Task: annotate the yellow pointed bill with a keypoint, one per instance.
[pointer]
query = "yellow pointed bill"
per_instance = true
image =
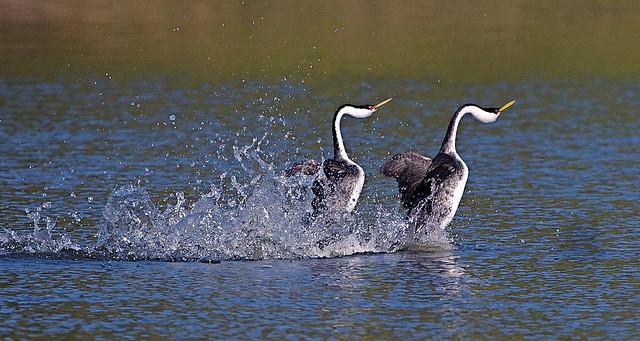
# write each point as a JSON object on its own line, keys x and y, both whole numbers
{"x": 382, "y": 103}
{"x": 504, "y": 107}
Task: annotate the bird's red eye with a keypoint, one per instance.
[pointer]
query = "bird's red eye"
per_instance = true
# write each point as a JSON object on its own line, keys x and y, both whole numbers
{"x": 371, "y": 107}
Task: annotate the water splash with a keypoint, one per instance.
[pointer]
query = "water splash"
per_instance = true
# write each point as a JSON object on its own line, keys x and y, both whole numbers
{"x": 428, "y": 231}
{"x": 44, "y": 239}
{"x": 263, "y": 215}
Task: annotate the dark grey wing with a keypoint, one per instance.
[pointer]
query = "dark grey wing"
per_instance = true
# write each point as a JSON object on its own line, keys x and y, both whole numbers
{"x": 307, "y": 167}
{"x": 409, "y": 169}
{"x": 441, "y": 168}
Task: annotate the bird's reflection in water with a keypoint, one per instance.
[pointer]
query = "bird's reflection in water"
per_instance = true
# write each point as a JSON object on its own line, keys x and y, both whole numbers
{"x": 405, "y": 284}
{"x": 354, "y": 271}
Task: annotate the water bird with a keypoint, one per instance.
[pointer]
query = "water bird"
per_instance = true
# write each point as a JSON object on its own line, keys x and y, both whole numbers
{"x": 337, "y": 188}
{"x": 431, "y": 189}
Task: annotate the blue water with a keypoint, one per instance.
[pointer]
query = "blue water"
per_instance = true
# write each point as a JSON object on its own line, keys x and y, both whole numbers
{"x": 97, "y": 173}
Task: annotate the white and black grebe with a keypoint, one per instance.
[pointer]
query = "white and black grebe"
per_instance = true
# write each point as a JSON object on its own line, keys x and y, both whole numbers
{"x": 429, "y": 189}
{"x": 338, "y": 186}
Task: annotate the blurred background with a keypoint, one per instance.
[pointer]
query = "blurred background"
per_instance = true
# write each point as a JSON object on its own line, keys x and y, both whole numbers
{"x": 315, "y": 41}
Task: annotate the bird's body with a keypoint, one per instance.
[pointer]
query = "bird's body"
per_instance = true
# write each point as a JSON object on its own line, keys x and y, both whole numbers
{"x": 432, "y": 198}
{"x": 339, "y": 181}
{"x": 339, "y": 186}
{"x": 431, "y": 189}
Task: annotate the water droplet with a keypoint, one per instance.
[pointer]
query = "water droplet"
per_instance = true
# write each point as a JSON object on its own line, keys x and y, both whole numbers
{"x": 172, "y": 118}
{"x": 76, "y": 217}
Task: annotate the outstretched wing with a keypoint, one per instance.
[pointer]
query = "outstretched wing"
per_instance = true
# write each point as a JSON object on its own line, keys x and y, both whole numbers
{"x": 409, "y": 169}
{"x": 441, "y": 168}
{"x": 307, "y": 167}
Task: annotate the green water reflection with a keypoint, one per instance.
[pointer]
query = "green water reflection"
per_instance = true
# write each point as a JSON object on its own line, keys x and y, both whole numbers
{"x": 321, "y": 40}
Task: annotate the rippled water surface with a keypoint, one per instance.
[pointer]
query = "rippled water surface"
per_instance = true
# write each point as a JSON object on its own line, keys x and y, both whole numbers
{"x": 545, "y": 241}
{"x": 155, "y": 204}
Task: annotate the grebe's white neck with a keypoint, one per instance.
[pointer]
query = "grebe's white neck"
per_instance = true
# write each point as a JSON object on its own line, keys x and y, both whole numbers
{"x": 488, "y": 115}
{"x": 339, "y": 151}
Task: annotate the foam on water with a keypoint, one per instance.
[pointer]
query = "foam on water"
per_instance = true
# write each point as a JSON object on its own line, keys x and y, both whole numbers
{"x": 265, "y": 216}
